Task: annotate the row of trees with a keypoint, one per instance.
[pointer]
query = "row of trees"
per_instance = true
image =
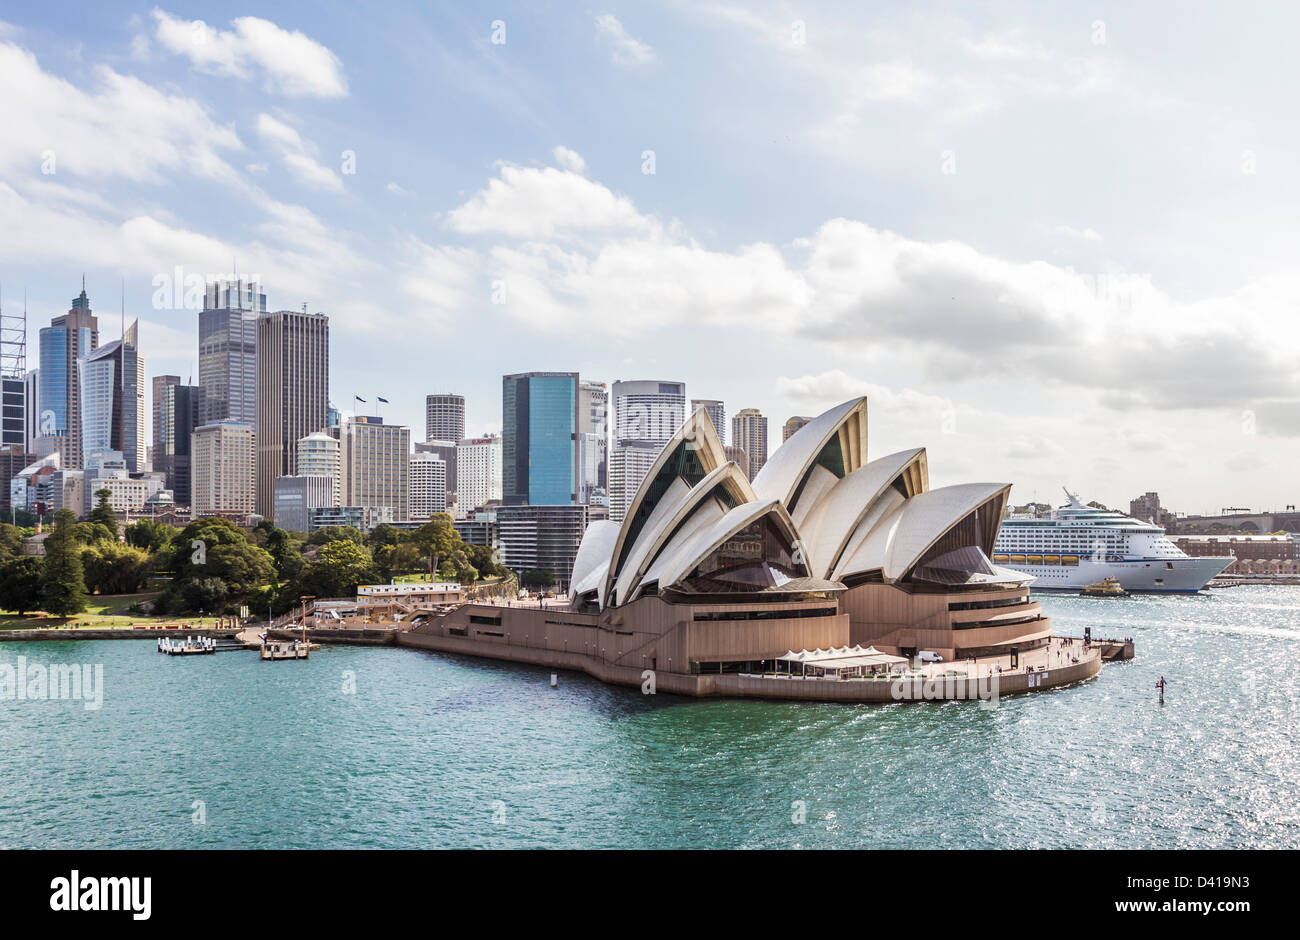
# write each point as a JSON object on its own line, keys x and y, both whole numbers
{"x": 213, "y": 566}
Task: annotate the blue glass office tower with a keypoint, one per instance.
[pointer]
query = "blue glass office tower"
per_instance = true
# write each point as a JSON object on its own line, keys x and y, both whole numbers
{"x": 67, "y": 339}
{"x": 539, "y": 439}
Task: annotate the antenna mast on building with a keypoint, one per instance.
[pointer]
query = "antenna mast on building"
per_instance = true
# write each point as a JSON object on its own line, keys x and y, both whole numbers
{"x": 13, "y": 342}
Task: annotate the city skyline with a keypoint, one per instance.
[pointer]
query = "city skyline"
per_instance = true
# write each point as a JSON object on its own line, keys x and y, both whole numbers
{"x": 841, "y": 250}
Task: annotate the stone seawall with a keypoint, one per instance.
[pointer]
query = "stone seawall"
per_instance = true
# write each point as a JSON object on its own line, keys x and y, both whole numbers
{"x": 85, "y": 633}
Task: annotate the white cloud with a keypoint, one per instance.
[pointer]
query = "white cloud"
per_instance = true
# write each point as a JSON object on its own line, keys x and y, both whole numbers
{"x": 292, "y": 63}
{"x": 298, "y": 154}
{"x": 576, "y": 256}
{"x": 397, "y": 190}
{"x": 123, "y": 128}
{"x": 527, "y": 202}
{"x": 569, "y": 160}
{"x": 624, "y": 49}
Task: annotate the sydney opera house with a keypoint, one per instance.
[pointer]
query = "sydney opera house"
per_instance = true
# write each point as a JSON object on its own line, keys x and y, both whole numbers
{"x": 829, "y": 566}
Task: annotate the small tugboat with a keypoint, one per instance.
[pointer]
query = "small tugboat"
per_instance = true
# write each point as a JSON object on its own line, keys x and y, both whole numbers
{"x": 190, "y": 646}
{"x": 1106, "y": 587}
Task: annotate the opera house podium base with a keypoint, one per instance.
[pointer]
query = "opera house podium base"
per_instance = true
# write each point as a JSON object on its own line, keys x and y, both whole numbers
{"x": 653, "y": 650}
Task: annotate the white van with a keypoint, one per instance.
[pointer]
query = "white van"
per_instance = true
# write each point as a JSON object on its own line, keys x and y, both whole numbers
{"x": 929, "y": 656}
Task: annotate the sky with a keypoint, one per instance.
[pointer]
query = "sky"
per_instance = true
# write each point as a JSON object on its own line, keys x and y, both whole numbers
{"x": 1055, "y": 244}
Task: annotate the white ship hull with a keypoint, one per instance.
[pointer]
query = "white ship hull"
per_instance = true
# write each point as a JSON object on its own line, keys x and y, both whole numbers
{"x": 1185, "y": 575}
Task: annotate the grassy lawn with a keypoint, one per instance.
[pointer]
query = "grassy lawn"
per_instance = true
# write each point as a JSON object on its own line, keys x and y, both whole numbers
{"x": 102, "y": 612}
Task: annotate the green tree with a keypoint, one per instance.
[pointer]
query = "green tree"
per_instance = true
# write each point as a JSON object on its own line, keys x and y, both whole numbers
{"x": 149, "y": 535}
{"x": 484, "y": 559}
{"x": 205, "y": 595}
{"x": 285, "y": 554}
{"x": 392, "y": 560}
{"x": 337, "y": 570}
{"x": 334, "y": 533}
{"x": 11, "y": 541}
{"x": 383, "y": 534}
{"x": 436, "y": 538}
{"x": 63, "y": 585}
{"x": 91, "y": 533}
{"x": 114, "y": 568}
{"x": 103, "y": 512}
{"x": 243, "y": 567}
{"x": 20, "y": 583}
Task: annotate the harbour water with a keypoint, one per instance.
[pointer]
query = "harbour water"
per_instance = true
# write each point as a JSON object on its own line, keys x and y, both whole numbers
{"x": 389, "y": 748}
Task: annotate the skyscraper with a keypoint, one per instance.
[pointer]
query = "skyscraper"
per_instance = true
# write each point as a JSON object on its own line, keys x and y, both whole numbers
{"x": 593, "y": 443}
{"x": 539, "y": 446}
{"x": 228, "y": 350}
{"x": 427, "y": 489}
{"x": 629, "y": 462}
{"x": 478, "y": 472}
{"x": 375, "y": 459}
{"x": 158, "y": 403}
{"x": 717, "y": 412}
{"x": 320, "y": 454}
{"x": 63, "y": 342}
{"x": 221, "y": 471}
{"x": 648, "y": 411}
{"x": 646, "y": 415}
{"x": 444, "y": 417}
{"x": 13, "y": 381}
{"x": 749, "y": 431}
{"x": 792, "y": 425}
{"x": 112, "y": 401}
{"x": 292, "y": 393}
{"x": 176, "y": 411}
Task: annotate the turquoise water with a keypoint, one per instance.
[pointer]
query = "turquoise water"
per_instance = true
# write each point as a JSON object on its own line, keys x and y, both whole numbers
{"x": 281, "y": 756}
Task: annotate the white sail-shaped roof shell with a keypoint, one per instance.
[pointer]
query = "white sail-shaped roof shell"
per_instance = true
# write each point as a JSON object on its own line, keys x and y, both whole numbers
{"x": 878, "y": 518}
{"x": 692, "y": 549}
{"x": 793, "y": 475}
{"x": 669, "y": 518}
{"x": 833, "y": 519}
{"x": 897, "y": 542}
{"x": 591, "y": 566}
{"x": 698, "y": 436}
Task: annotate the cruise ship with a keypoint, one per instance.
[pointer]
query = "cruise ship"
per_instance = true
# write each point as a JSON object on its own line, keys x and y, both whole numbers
{"x": 1078, "y": 545}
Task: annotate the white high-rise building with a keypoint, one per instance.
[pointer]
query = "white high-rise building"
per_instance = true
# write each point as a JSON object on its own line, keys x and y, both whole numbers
{"x": 648, "y": 411}
{"x": 222, "y": 468}
{"x": 646, "y": 415}
{"x": 319, "y": 454}
{"x": 593, "y": 443}
{"x": 478, "y": 473}
{"x": 427, "y": 491}
{"x": 628, "y": 465}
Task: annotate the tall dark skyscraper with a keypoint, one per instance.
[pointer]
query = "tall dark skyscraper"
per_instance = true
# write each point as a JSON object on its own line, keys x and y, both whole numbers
{"x": 228, "y": 350}
{"x": 539, "y": 439}
{"x": 68, "y": 338}
{"x": 176, "y": 415}
{"x": 13, "y": 380}
{"x": 293, "y": 378}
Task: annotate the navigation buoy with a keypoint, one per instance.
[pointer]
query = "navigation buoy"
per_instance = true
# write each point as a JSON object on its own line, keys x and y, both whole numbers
{"x": 555, "y": 681}
{"x": 1161, "y": 686}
